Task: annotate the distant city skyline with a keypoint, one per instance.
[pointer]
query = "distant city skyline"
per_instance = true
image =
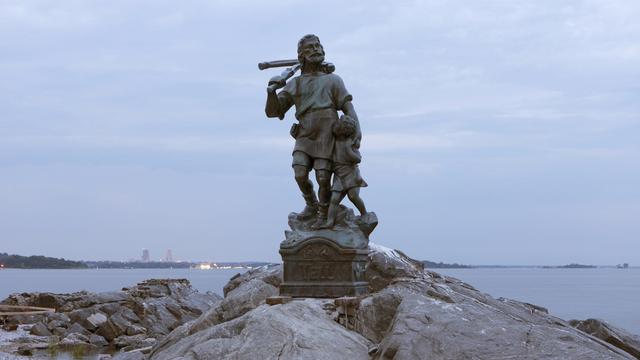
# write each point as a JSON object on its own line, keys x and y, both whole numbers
{"x": 493, "y": 132}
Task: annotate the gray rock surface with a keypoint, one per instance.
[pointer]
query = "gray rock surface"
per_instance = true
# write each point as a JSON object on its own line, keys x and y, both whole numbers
{"x": 243, "y": 293}
{"x": 296, "y": 330}
{"x": 412, "y": 313}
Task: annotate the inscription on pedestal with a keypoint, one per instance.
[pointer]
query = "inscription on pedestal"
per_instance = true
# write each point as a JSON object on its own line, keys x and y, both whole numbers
{"x": 318, "y": 267}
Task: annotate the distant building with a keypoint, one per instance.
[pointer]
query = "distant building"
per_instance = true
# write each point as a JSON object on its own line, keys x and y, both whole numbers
{"x": 145, "y": 255}
{"x": 168, "y": 257}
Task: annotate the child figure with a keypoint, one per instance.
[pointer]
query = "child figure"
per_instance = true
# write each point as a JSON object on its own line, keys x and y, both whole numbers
{"x": 346, "y": 179}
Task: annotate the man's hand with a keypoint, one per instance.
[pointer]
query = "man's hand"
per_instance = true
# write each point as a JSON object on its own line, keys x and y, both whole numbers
{"x": 276, "y": 82}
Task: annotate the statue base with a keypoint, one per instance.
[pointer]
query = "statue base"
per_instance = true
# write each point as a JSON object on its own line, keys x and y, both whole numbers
{"x": 318, "y": 267}
{"x": 327, "y": 263}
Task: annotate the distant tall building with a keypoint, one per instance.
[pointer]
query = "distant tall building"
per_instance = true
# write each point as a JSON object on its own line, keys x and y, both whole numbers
{"x": 168, "y": 257}
{"x": 145, "y": 255}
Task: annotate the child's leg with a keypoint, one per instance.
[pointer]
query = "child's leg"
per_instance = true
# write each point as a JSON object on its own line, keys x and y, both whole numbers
{"x": 336, "y": 198}
{"x": 354, "y": 196}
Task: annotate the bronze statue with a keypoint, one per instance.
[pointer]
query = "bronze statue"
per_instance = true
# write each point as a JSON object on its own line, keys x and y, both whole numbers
{"x": 325, "y": 253}
{"x": 317, "y": 94}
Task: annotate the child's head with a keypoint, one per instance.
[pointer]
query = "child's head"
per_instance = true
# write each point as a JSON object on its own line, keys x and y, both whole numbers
{"x": 345, "y": 127}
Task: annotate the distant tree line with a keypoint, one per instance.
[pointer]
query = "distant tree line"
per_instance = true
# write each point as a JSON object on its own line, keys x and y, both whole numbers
{"x": 440, "y": 265}
{"x": 38, "y": 262}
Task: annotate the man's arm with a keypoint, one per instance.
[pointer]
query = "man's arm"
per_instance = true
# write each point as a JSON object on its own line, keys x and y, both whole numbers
{"x": 276, "y": 105}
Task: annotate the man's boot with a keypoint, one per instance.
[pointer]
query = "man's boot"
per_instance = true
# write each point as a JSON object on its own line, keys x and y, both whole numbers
{"x": 322, "y": 216}
{"x": 311, "y": 208}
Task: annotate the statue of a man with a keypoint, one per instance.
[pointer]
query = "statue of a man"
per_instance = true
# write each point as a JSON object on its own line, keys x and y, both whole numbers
{"x": 317, "y": 96}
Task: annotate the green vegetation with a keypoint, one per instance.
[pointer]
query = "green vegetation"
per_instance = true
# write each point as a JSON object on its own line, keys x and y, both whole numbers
{"x": 38, "y": 262}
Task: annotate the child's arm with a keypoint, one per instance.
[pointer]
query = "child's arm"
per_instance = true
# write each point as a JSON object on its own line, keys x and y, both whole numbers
{"x": 350, "y": 111}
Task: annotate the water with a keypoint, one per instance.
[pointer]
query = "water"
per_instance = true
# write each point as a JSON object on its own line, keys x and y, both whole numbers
{"x": 609, "y": 294}
{"x": 96, "y": 280}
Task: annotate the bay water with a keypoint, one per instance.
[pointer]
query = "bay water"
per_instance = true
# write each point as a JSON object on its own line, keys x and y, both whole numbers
{"x": 606, "y": 293}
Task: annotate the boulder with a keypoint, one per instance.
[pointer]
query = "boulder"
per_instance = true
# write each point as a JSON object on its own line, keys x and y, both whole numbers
{"x": 613, "y": 335}
{"x": 296, "y": 330}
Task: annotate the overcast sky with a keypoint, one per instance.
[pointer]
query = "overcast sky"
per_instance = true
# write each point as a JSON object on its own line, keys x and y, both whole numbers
{"x": 495, "y": 132}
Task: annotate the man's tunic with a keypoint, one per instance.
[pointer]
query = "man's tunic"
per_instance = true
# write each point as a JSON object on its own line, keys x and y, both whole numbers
{"x": 317, "y": 99}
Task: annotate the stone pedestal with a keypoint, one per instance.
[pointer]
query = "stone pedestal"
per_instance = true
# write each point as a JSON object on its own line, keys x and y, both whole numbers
{"x": 326, "y": 263}
{"x": 318, "y": 267}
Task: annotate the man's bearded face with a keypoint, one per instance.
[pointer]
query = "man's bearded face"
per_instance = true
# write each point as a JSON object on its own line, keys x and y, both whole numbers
{"x": 312, "y": 51}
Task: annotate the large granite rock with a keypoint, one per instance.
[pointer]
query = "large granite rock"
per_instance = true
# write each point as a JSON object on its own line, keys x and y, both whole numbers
{"x": 296, "y": 330}
{"x": 411, "y": 313}
{"x": 243, "y": 293}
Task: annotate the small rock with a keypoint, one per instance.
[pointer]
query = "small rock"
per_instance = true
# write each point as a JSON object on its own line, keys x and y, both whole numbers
{"x": 135, "y": 330}
{"x": 56, "y": 324}
{"x": 59, "y": 331}
{"x": 40, "y": 329}
{"x": 77, "y": 328}
{"x": 125, "y": 340}
{"x": 58, "y": 316}
{"x": 79, "y": 315}
{"x": 109, "y": 331}
{"x": 95, "y": 320}
{"x": 74, "y": 339}
{"x": 98, "y": 340}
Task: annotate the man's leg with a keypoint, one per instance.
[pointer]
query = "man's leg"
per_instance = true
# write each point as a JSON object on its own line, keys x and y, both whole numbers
{"x": 301, "y": 167}
{"x": 336, "y": 198}
{"x": 323, "y": 177}
{"x": 306, "y": 187}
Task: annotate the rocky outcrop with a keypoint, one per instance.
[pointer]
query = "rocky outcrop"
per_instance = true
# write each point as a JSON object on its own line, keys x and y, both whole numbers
{"x": 613, "y": 335}
{"x": 129, "y": 319}
{"x": 411, "y": 313}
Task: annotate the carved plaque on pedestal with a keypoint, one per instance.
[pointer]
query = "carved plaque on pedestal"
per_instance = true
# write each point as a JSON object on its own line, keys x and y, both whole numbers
{"x": 318, "y": 267}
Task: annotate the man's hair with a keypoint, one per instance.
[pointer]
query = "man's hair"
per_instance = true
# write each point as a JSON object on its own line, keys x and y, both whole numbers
{"x": 301, "y": 44}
